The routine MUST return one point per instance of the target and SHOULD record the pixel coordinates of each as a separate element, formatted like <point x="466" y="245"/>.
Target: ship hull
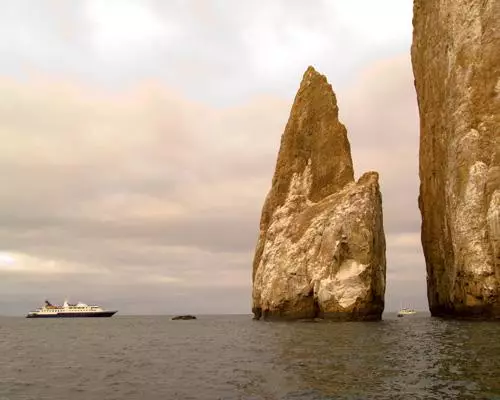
<point x="98" y="314"/>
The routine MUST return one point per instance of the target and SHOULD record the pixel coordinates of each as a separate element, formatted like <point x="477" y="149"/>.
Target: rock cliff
<point x="321" y="248"/>
<point x="456" y="63"/>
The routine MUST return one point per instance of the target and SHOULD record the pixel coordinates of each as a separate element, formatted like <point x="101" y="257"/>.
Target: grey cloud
<point x="381" y="115"/>
<point x="47" y="35"/>
<point x="157" y="197"/>
<point x="223" y="52"/>
<point x="214" y="231"/>
<point x="143" y="299"/>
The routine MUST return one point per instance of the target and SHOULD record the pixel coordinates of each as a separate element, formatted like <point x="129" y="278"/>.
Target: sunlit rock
<point x="321" y="248"/>
<point x="456" y="63"/>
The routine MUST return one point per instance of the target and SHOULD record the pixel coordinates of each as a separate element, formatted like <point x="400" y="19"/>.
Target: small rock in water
<point x="183" y="317"/>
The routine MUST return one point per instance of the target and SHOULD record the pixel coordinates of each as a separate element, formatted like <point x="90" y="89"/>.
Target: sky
<point x="139" y="139"/>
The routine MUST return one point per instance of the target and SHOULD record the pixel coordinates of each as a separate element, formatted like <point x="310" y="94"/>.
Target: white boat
<point x="406" y="311"/>
<point x="78" y="310"/>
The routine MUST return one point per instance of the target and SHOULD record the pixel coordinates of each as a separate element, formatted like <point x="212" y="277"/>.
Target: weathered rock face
<point x="456" y="63"/>
<point x="321" y="249"/>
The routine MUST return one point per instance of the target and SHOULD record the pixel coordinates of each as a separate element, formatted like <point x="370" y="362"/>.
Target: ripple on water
<point x="232" y="357"/>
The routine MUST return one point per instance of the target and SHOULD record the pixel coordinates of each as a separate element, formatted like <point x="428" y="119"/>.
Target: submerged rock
<point x="456" y="63"/>
<point x="321" y="248"/>
<point x="183" y="317"/>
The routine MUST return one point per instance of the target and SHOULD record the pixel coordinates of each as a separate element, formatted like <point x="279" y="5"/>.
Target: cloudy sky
<point x="138" y="142"/>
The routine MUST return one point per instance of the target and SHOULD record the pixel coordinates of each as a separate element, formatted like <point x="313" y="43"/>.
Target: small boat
<point x="406" y="311"/>
<point x="78" y="310"/>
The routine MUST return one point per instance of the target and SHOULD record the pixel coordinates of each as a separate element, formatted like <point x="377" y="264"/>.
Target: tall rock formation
<point x="456" y="63"/>
<point x="321" y="249"/>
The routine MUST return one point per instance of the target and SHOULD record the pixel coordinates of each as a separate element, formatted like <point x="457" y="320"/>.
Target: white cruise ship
<point x="79" y="310"/>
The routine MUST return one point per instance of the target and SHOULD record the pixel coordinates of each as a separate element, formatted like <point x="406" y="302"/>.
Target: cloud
<point x="138" y="147"/>
<point x="25" y="264"/>
<point x="222" y="53"/>
<point x="147" y="183"/>
<point x="381" y="115"/>
<point x="134" y="27"/>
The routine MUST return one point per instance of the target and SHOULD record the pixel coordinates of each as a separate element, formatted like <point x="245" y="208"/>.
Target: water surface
<point x="233" y="357"/>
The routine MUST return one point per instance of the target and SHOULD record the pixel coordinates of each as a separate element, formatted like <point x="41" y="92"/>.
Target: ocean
<point x="233" y="357"/>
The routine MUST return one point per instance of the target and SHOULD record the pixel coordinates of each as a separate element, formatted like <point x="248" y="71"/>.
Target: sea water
<point x="233" y="357"/>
